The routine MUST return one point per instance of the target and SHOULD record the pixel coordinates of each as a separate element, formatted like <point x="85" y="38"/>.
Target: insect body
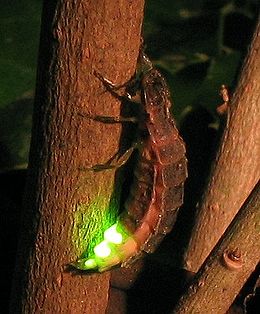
<point x="157" y="191"/>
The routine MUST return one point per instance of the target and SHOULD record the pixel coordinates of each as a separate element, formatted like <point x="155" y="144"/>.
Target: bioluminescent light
<point x="105" y="251"/>
<point x="90" y="264"/>
<point x="112" y="235"/>
<point x="102" y="249"/>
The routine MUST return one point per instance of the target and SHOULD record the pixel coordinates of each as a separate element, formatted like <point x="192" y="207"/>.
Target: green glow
<point x="89" y="223"/>
<point x="111" y="235"/>
<point x="105" y="253"/>
<point x="94" y="235"/>
<point x="90" y="264"/>
<point x="102" y="250"/>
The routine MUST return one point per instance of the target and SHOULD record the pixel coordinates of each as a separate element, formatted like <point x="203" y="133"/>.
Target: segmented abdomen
<point x="157" y="192"/>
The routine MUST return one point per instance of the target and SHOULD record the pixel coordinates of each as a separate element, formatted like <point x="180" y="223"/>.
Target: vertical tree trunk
<point x="78" y="38"/>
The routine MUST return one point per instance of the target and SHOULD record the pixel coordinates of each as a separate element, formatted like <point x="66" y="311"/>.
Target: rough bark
<point x="237" y="167"/>
<point x="229" y="265"/>
<point x="77" y="38"/>
<point x="117" y="302"/>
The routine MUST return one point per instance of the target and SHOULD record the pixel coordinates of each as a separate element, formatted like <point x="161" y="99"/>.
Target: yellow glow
<point x="112" y="235"/>
<point x="90" y="264"/>
<point x="102" y="249"/>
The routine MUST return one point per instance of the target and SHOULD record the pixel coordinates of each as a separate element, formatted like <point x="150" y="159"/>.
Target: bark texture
<point x="229" y="265"/>
<point x="77" y="38"/>
<point x="237" y="167"/>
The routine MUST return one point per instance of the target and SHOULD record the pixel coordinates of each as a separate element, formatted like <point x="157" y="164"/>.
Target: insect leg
<point x="109" y="119"/>
<point x="116" y="161"/>
<point x="127" y="91"/>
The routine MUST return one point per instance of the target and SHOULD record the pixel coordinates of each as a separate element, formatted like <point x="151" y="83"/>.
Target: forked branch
<point x="237" y="167"/>
<point x="229" y="265"/>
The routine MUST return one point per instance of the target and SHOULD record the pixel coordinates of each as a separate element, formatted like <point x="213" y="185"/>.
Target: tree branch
<point x="229" y="265"/>
<point x="237" y="167"/>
